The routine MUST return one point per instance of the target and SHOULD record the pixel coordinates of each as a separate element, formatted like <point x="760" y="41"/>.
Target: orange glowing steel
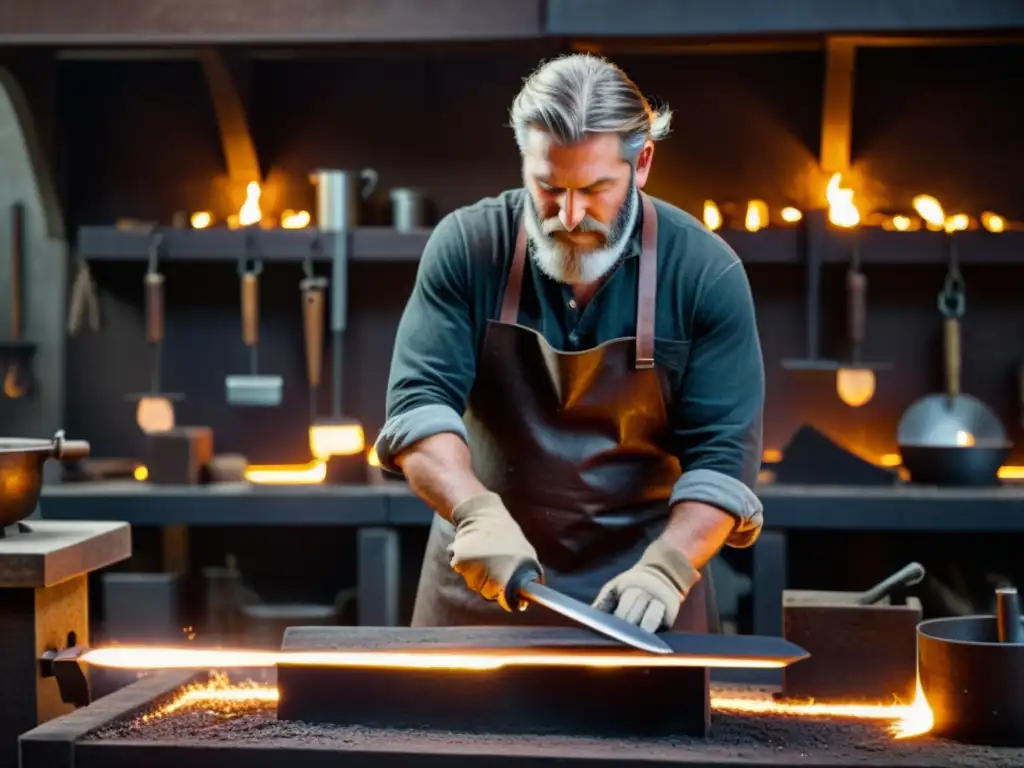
<point x="136" y="657"/>
<point x="225" y="698"/>
<point x="287" y="474"/>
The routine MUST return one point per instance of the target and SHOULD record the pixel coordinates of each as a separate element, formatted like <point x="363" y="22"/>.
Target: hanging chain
<point x="952" y="297"/>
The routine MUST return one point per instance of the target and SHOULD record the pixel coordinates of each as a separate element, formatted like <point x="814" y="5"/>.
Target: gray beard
<point x="565" y="264"/>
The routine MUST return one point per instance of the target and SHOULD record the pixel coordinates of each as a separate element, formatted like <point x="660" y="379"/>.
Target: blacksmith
<point x="577" y="379"/>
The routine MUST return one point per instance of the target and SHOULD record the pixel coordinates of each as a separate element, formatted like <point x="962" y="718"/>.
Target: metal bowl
<point x="971" y="680"/>
<point x="974" y="466"/>
<point x="21" y="471"/>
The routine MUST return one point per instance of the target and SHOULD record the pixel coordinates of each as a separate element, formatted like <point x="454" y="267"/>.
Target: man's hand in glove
<point x="649" y="594"/>
<point x="489" y="546"/>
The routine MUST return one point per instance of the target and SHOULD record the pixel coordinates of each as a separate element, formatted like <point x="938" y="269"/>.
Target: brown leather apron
<point x="574" y="443"/>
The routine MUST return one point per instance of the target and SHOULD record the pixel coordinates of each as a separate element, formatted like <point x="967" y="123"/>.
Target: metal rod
<point x="1008" y="616"/>
<point x="339" y="314"/>
<point x="337" y="352"/>
<point x="814" y="246"/>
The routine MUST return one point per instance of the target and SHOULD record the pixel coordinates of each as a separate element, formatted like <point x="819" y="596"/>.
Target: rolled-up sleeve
<point x="718" y="415"/>
<point x="434" y="360"/>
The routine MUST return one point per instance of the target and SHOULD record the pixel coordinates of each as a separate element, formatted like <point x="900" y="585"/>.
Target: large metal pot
<point x="950" y="438"/>
<point x="971" y="669"/>
<point x="21" y="471"/>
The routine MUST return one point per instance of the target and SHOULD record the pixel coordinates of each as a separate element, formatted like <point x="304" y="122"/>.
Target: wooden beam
<point x="298" y="22"/>
<point x="837" y="105"/>
<point x="236" y="139"/>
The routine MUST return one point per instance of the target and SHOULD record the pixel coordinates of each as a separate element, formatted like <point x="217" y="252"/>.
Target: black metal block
<point x="568" y="700"/>
<point x="178" y="456"/>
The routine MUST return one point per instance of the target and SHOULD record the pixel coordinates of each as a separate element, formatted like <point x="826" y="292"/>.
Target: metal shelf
<point x="694" y="18"/>
<point x="774" y="245"/>
<point x="272" y="245"/>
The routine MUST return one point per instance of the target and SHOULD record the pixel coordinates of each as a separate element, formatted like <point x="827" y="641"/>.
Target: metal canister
<point x="406" y="209"/>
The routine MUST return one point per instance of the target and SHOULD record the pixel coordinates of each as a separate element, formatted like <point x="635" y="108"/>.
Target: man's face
<point x="583" y="202"/>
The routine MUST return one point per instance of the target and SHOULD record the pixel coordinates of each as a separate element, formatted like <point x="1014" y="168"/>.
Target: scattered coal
<point x="761" y="739"/>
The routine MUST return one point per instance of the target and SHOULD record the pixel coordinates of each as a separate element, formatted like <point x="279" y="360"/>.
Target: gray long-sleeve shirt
<point x="706" y="340"/>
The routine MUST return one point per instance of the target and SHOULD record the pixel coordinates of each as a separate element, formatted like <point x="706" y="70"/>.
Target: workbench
<point x="378" y="511"/>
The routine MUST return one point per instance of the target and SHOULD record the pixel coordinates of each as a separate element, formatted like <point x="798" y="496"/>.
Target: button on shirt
<point x="706" y="342"/>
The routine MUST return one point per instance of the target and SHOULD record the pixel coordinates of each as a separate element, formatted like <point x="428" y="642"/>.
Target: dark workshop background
<point x="139" y="139"/>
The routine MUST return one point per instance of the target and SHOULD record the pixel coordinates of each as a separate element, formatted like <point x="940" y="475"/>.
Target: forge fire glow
<point x="223" y="698"/>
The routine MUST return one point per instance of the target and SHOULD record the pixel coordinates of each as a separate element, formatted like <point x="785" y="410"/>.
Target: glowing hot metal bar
<point x="127" y="657"/>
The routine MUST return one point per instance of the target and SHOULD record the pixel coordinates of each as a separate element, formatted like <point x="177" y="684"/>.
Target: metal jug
<point x="338" y="195"/>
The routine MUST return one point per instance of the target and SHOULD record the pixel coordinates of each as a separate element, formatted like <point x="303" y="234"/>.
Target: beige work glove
<point x="649" y="594"/>
<point x="489" y="546"/>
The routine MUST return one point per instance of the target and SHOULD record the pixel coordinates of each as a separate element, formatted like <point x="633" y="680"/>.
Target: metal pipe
<point x="815" y="251"/>
<point x="339" y="316"/>
<point x="1008" y="616"/>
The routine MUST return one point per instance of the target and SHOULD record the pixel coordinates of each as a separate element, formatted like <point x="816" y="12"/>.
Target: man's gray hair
<point x="581" y="94"/>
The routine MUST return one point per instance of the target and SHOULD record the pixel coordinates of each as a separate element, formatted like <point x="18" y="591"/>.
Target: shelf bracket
<point x="837" y="105"/>
<point x="239" y="149"/>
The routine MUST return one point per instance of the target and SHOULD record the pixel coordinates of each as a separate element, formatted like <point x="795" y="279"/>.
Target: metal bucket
<point x="971" y="669"/>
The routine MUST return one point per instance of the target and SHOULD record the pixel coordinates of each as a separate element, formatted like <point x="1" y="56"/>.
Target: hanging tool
<point x="525" y="587"/>
<point x="155" y="412"/>
<point x="850" y="375"/>
<point x="951" y="438"/>
<point x="16" y="379"/>
<point x="855" y="380"/>
<point x="336" y="435"/>
<point x="313" y="310"/>
<point x="252" y="389"/>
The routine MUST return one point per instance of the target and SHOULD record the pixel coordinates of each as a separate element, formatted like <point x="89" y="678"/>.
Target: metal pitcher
<point x="338" y="196"/>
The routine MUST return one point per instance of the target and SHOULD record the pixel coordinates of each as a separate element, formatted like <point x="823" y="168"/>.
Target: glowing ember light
<point x="842" y="211"/>
<point x="757" y="215"/>
<point x="250" y="213"/>
<point x="712" y="216"/>
<point x="993" y="222"/>
<point x="201" y="219"/>
<point x="294" y="219"/>
<point x="929" y="209"/>
<point x="791" y="215"/>
<point x="144" y="658"/>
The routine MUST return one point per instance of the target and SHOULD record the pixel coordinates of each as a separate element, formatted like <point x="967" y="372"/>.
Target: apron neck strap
<point x="514" y="284"/>
<point x="647" y="288"/>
